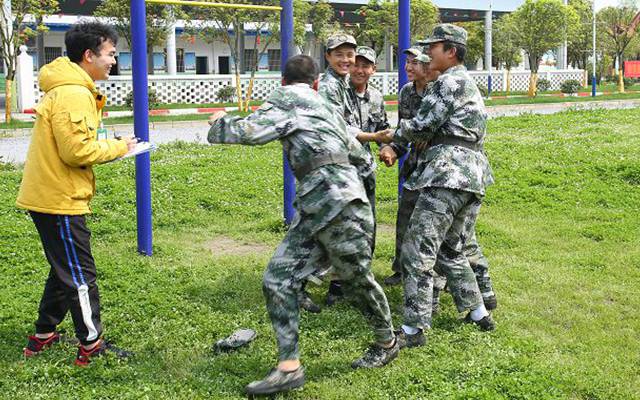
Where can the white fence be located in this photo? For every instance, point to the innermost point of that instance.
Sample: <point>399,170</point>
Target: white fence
<point>202,89</point>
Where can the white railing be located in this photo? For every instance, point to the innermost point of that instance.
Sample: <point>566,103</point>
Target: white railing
<point>202,89</point>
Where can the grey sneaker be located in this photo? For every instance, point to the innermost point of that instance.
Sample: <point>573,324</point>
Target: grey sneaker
<point>485,324</point>
<point>307,304</point>
<point>377,356</point>
<point>237,339</point>
<point>277,381</point>
<point>405,340</point>
<point>393,280</point>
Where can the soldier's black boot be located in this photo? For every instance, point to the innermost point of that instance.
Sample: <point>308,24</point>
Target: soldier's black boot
<point>485,324</point>
<point>393,280</point>
<point>377,356</point>
<point>277,381</point>
<point>306,303</point>
<point>405,340</point>
<point>335,293</point>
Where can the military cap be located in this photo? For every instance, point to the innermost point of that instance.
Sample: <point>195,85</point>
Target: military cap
<point>367,52</point>
<point>414,51</point>
<point>423,58</point>
<point>447,32</point>
<point>338,39</point>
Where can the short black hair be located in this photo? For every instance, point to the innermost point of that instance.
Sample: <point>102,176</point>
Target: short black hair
<point>87,36</point>
<point>300,69</point>
<point>461,50</point>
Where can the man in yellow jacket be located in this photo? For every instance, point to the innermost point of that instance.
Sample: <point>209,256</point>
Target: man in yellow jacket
<point>58,183</point>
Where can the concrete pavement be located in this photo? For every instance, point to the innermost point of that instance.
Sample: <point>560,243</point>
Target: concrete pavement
<point>15,143</point>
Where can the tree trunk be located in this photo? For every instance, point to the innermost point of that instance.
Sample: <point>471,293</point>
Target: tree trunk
<point>621,80</point>
<point>8,100</point>
<point>586,78</point>
<point>238,89</point>
<point>249,93</point>
<point>508,81</point>
<point>533,82</point>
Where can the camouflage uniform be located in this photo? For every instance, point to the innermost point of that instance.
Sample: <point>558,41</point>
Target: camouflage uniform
<point>450,177</point>
<point>408,105</point>
<point>336,91</point>
<point>371,117</point>
<point>333,214</point>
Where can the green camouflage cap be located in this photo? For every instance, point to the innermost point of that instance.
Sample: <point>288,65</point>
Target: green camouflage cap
<point>367,52</point>
<point>447,32</point>
<point>423,58</point>
<point>414,51</point>
<point>338,39</point>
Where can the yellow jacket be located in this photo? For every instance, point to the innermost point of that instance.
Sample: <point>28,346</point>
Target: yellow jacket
<point>58,178</point>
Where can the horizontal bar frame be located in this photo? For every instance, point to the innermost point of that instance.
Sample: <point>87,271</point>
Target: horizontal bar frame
<point>210,4</point>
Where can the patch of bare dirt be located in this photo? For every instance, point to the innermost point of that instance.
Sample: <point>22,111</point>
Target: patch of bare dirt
<point>226,246</point>
<point>386,229</point>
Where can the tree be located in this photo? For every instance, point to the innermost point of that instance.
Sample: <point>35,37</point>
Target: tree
<point>616,28</point>
<point>580,43</point>
<point>15,30</point>
<point>320,16</point>
<point>381,19</point>
<point>541,26</point>
<point>505,48</point>
<point>214,24</point>
<point>159,20</point>
<point>475,40</point>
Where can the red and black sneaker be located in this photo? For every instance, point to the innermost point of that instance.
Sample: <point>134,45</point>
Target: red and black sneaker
<point>36,345</point>
<point>84,356</point>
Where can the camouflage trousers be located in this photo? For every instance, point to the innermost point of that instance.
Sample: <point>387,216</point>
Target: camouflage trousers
<point>369,183</point>
<point>345,242</point>
<point>441,223</point>
<point>473,252</point>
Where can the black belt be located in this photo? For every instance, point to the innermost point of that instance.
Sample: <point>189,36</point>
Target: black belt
<point>325,159</point>
<point>451,141</point>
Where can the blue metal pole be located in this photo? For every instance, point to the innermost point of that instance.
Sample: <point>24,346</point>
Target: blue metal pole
<point>286,46</point>
<point>404,42</point>
<point>141,124</point>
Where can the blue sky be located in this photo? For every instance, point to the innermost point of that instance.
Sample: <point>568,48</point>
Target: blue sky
<point>501,5</point>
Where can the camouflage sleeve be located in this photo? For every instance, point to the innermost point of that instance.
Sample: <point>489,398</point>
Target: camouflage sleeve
<point>266,124</point>
<point>436,108</point>
<point>333,97</point>
<point>384,122</point>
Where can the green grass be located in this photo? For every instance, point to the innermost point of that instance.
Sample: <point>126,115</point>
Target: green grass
<point>560,228</point>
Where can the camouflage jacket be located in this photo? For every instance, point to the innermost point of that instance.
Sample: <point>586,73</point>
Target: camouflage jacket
<point>409,101</point>
<point>452,109</point>
<point>336,90</point>
<point>307,127</point>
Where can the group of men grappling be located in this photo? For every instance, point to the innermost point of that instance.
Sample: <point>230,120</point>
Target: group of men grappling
<point>325,126</point>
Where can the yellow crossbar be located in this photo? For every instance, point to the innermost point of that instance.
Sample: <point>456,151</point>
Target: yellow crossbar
<point>209,4</point>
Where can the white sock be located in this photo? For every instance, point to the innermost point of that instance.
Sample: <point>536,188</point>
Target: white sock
<point>479,313</point>
<point>410,330</point>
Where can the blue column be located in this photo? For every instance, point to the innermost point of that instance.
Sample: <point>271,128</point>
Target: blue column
<point>404,42</point>
<point>286,43</point>
<point>141,124</point>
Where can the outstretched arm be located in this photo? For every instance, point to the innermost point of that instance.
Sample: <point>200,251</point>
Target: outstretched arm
<point>266,124</point>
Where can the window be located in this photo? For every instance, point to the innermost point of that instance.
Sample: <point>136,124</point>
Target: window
<point>274,60</point>
<point>250,59</point>
<point>51,53</point>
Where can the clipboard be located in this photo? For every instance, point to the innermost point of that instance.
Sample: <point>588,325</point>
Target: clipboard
<point>141,148</point>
